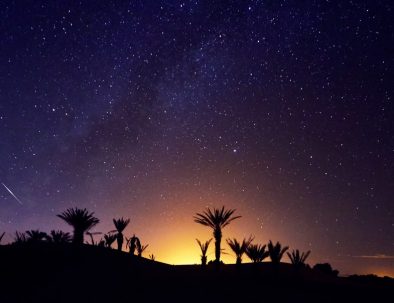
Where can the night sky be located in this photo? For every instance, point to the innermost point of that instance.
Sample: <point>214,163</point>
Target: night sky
<point>154,110</point>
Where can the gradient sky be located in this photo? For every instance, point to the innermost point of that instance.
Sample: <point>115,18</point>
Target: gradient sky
<point>154,110</point>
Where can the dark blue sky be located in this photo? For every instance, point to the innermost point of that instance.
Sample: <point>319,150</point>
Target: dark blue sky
<point>155,109</point>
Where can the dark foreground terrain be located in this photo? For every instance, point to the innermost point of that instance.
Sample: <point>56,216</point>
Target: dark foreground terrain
<point>64,273</point>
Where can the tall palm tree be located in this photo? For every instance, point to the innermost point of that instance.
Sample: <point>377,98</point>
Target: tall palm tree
<point>216,219</point>
<point>81,220</point>
<point>256,252</point>
<point>276,251</point>
<point>204,249</point>
<point>298,259</point>
<point>120,225</point>
<point>58,236</point>
<point>239,248</point>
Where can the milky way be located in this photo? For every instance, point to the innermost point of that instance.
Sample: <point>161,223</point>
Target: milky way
<point>154,110</point>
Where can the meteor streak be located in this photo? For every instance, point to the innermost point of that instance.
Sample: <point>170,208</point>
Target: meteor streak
<point>12,194</point>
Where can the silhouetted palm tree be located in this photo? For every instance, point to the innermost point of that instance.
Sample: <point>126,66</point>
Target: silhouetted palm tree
<point>276,251</point>
<point>109,239</point>
<point>81,220</point>
<point>35,236</point>
<point>216,219</point>
<point>298,259</point>
<point>256,252</point>
<point>132,244</point>
<point>58,236</point>
<point>120,225</point>
<point>239,248</point>
<point>1,237</point>
<point>204,249</point>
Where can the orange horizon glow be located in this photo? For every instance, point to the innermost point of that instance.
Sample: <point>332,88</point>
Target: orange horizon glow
<point>172,237</point>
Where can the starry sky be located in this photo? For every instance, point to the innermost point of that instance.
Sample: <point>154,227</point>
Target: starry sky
<point>154,110</point>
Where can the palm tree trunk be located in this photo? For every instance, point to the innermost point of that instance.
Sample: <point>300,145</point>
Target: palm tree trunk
<point>78,237</point>
<point>217,234</point>
<point>119,239</point>
<point>203,260</point>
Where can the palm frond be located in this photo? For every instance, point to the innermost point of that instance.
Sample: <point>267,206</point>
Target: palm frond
<point>297,258</point>
<point>36,236</point>
<point>216,218</point>
<point>121,224</point>
<point>204,246</point>
<point>1,237</point>
<point>19,238</point>
<point>256,252</point>
<point>58,236</point>
<point>79,218</point>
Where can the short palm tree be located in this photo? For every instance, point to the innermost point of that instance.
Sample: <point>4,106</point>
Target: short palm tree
<point>256,252</point>
<point>132,244</point>
<point>276,251</point>
<point>58,237</point>
<point>216,219</point>
<point>298,259</point>
<point>204,249</point>
<point>35,236</point>
<point>239,248</point>
<point>120,225</point>
<point>109,239</point>
<point>81,220</point>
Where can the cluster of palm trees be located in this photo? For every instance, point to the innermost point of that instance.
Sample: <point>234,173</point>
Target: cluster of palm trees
<point>82,222</point>
<point>217,219</point>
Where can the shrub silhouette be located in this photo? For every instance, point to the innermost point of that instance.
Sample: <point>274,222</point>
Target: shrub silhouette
<point>20,238</point>
<point>276,251</point>
<point>256,252</point>
<point>81,220</point>
<point>109,239</point>
<point>326,268</point>
<point>120,225</point>
<point>298,259</point>
<point>140,248</point>
<point>58,237</point>
<point>216,219</point>
<point>239,248</point>
<point>204,249</point>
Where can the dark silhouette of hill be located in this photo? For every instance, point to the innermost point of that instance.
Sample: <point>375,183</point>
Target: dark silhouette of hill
<point>51,272</point>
